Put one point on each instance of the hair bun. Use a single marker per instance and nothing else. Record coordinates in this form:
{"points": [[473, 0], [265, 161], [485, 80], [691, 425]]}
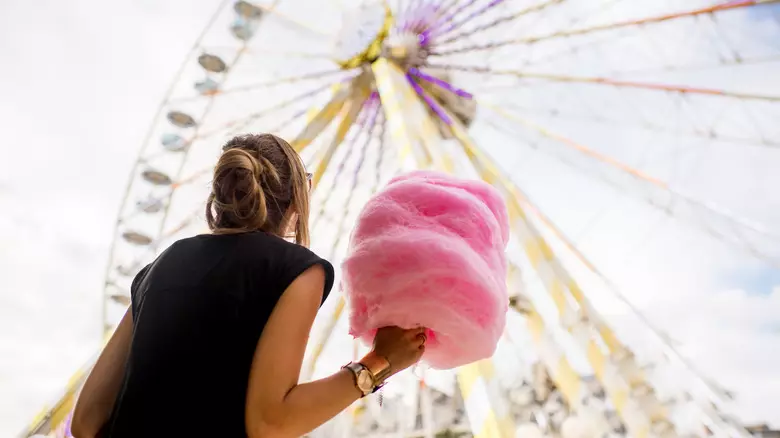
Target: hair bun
{"points": [[259, 184], [237, 190]]}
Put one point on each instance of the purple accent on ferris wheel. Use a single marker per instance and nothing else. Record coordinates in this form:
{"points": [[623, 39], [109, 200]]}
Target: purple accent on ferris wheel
{"points": [[403, 17], [426, 35], [472, 15], [420, 17], [441, 83], [429, 100], [410, 17]]}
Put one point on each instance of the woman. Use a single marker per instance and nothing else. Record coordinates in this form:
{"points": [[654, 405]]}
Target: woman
{"points": [[213, 342]]}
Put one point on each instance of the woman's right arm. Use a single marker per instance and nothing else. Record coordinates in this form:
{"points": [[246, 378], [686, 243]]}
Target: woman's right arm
{"points": [[277, 406]]}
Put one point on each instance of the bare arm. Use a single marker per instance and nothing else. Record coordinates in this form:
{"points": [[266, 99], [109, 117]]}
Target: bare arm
{"points": [[99, 393], [277, 406]]}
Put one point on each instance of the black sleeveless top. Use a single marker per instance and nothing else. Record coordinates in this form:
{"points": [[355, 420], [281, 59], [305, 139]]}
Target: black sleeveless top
{"points": [[198, 312]]}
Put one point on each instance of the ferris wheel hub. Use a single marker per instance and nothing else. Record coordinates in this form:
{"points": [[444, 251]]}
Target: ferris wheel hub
{"points": [[405, 50]]}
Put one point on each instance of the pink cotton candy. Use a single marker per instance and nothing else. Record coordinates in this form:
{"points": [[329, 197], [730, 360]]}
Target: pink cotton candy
{"points": [[428, 251]]}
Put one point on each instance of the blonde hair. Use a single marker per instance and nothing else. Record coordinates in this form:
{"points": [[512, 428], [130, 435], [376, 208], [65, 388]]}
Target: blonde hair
{"points": [[259, 183]]}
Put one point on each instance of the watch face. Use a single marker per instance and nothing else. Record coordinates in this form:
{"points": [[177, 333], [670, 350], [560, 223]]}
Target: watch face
{"points": [[364, 381], [360, 28]]}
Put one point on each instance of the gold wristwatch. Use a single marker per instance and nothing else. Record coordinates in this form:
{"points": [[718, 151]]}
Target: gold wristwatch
{"points": [[370, 373]]}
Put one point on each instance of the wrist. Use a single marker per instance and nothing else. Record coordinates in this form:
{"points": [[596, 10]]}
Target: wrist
{"points": [[354, 379], [379, 366]]}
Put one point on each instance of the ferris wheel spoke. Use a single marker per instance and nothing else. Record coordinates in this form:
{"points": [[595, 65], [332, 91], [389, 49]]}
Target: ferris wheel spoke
{"points": [[707, 65], [402, 12], [300, 25], [606, 27], [712, 394], [381, 147], [676, 60], [238, 125], [296, 116], [264, 85], [604, 6], [563, 375], [324, 116], [557, 113], [358, 97], [618, 369], [739, 232], [706, 128], [601, 8], [610, 359], [682, 66], [498, 21], [489, 172], [751, 117], [254, 51], [366, 122], [348, 207], [458, 7], [443, 9], [412, 15], [432, 34], [608, 81]]}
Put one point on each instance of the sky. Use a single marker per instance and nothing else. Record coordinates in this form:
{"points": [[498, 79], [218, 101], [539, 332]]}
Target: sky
{"points": [[80, 85]]}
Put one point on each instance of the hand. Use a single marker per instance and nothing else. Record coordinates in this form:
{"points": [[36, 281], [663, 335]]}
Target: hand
{"points": [[402, 348]]}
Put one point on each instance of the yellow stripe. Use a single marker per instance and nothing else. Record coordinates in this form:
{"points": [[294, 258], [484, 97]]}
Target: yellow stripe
{"points": [[323, 117], [403, 112], [391, 106], [486, 369], [490, 428], [467, 377], [556, 290], [567, 380], [533, 253], [352, 109], [311, 113]]}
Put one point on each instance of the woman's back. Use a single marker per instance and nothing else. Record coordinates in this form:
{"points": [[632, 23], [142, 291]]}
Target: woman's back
{"points": [[198, 312], [214, 341]]}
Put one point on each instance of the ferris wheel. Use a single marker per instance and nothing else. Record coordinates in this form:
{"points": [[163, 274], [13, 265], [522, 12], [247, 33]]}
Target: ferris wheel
{"points": [[544, 99]]}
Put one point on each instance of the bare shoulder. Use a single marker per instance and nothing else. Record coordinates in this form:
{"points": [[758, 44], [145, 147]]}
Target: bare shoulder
{"points": [[308, 286]]}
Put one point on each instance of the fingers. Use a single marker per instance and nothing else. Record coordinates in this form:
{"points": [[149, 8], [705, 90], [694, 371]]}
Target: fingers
{"points": [[420, 351], [415, 337], [420, 339], [401, 347], [414, 333]]}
